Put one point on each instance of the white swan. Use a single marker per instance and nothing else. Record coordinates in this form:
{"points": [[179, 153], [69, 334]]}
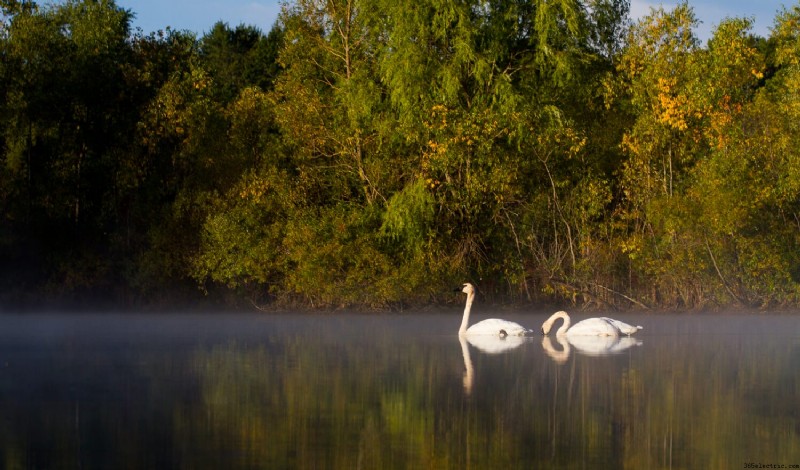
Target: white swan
{"points": [[492, 326], [602, 326]]}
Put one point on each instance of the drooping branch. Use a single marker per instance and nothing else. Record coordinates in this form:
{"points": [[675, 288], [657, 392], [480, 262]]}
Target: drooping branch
{"points": [[721, 277]]}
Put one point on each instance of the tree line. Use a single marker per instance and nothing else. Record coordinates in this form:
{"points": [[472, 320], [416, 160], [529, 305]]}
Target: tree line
{"points": [[373, 152]]}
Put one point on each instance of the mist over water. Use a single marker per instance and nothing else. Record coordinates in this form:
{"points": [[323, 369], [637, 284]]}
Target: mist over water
{"points": [[394, 391]]}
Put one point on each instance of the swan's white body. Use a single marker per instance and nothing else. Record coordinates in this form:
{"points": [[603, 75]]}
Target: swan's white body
{"points": [[492, 326], [602, 326]]}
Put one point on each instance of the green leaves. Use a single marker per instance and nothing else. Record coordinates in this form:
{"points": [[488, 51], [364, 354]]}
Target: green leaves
{"points": [[409, 214], [371, 151]]}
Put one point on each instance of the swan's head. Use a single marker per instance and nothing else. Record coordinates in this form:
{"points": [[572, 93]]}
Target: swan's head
{"points": [[547, 326], [468, 288]]}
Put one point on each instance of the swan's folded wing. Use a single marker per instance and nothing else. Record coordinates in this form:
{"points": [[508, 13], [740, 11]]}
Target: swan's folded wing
{"points": [[623, 327], [593, 327], [494, 327]]}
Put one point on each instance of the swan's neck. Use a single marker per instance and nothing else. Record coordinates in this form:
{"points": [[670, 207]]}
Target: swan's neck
{"points": [[465, 321], [562, 315], [563, 330]]}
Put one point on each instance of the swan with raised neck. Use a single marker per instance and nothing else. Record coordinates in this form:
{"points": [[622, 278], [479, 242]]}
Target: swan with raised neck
{"points": [[492, 326]]}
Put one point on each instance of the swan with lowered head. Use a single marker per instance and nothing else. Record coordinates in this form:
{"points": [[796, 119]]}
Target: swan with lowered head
{"points": [[492, 326], [602, 326]]}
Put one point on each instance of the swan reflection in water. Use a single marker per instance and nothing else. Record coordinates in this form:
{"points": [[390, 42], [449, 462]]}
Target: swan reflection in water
{"points": [[587, 345], [488, 345]]}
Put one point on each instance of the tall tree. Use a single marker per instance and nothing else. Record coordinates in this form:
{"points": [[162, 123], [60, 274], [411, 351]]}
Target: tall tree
{"points": [[412, 132], [744, 196], [240, 57], [66, 116]]}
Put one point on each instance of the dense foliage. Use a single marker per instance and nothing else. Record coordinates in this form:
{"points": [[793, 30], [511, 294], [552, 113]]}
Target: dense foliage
{"points": [[372, 152]]}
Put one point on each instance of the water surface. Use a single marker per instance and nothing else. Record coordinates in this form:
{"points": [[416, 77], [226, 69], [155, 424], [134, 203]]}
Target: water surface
{"points": [[394, 391]]}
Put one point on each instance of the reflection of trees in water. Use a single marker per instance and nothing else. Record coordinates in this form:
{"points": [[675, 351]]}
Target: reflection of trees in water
{"points": [[386, 403], [92, 408], [347, 405], [404, 408]]}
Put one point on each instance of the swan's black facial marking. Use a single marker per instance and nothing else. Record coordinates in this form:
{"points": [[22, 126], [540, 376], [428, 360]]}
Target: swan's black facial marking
{"points": [[503, 333]]}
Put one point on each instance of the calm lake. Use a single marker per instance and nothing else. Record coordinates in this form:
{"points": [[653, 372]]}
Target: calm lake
{"points": [[395, 391]]}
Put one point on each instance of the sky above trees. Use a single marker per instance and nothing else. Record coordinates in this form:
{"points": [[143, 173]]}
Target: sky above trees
{"points": [[200, 15]]}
